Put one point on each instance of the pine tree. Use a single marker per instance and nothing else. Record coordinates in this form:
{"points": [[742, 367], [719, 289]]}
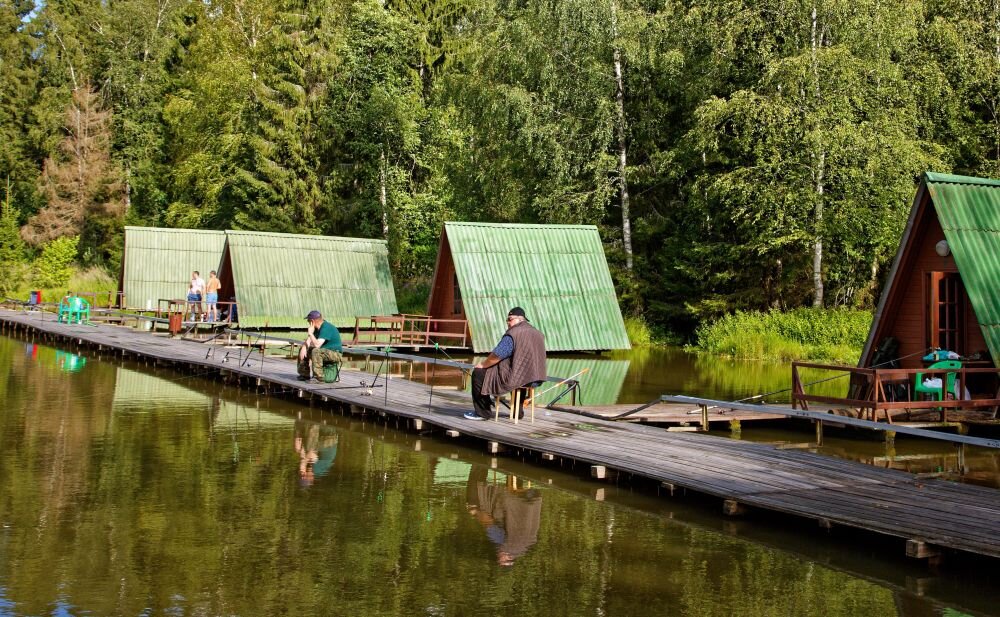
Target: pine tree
{"points": [[11, 245], [281, 176], [79, 181], [18, 91]]}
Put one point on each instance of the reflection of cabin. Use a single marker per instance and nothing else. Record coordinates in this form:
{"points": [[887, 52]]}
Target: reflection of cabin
{"points": [[157, 263], [557, 273], [944, 286], [279, 278]]}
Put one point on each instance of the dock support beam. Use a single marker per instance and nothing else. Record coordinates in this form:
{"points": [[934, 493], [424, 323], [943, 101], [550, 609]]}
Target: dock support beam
{"points": [[731, 507], [918, 549], [600, 472]]}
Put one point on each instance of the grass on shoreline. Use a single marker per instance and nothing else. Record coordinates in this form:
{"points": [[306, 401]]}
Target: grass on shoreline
{"points": [[831, 335], [89, 280]]}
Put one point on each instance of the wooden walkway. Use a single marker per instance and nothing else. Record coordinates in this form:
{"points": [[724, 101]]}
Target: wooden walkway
{"points": [[927, 513], [673, 414]]}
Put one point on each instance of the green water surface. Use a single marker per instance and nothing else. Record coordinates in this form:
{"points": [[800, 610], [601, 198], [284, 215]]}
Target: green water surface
{"points": [[125, 491]]}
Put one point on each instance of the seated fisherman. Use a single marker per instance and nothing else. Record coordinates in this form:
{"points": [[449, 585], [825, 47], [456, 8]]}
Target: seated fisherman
{"points": [[517, 361], [322, 345]]}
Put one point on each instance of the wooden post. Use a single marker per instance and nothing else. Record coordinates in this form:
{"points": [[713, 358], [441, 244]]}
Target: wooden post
{"points": [[600, 472], [731, 507], [819, 432], [918, 549], [704, 418], [796, 387]]}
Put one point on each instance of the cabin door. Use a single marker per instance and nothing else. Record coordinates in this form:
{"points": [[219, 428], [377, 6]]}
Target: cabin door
{"points": [[946, 311], [457, 309]]}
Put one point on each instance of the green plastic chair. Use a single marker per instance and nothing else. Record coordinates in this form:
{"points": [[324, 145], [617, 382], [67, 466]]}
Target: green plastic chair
{"points": [[74, 309], [947, 383]]}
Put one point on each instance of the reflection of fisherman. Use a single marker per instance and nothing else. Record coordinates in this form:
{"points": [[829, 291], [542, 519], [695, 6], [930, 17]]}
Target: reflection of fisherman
{"points": [[317, 448], [509, 515]]}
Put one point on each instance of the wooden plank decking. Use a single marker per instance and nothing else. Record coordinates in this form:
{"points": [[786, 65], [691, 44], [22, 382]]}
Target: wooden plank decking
{"points": [[670, 413], [833, 491]]}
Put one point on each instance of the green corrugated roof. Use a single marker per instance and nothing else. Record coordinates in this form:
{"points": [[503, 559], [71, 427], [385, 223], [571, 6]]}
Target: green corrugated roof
{"points": [[558, 273], [600, 385], [158, 262], [969, 212], [281, 277]]}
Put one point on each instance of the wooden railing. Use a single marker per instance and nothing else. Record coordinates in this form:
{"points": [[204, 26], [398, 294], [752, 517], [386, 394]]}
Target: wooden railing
{"points": [[874, 390], [410, 331], [100, 299], [196, 307]]}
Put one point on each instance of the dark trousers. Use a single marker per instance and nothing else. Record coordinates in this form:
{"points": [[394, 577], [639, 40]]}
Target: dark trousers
{"points": [[483, 403]]}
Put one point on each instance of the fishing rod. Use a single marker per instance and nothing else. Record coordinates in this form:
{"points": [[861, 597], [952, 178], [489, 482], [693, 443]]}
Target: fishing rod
{"points": [[835, 377], [755, 397]]}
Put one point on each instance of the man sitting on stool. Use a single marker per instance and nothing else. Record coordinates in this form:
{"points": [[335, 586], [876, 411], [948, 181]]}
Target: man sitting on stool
{"points": [[517, 361], [322, 345]]}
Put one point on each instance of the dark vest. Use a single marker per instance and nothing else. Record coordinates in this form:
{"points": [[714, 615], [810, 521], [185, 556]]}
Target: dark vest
{"points": [[524, 366]]}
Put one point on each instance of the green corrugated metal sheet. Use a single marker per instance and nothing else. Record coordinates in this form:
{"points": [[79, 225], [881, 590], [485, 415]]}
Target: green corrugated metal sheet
{"points": [[558, 273], [600, 385], [281, 277], [158, 262], [969, 212]]}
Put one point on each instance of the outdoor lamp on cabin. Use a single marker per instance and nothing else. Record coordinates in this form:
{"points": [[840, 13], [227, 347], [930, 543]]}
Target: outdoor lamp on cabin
{"points": [[942, 248]]}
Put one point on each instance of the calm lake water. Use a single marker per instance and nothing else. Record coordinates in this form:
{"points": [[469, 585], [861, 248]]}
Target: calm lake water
{"points": [[128, 491]]}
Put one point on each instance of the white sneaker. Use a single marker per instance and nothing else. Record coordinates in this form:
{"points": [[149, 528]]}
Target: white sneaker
{"points": [[471, 415]]}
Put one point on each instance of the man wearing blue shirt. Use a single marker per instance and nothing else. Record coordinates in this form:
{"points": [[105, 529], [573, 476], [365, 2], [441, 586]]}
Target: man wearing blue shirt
{"points": [[322, 345]]}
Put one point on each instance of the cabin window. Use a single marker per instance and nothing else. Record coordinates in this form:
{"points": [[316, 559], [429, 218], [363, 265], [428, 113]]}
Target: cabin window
{"points": [[945, 311], [456, 309]]}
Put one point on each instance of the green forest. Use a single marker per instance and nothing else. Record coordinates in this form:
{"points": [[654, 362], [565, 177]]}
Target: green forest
{"points": [[735, 154]]}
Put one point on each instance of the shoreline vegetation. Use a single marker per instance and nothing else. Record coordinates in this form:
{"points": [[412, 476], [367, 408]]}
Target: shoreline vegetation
{"points": [[830, 335]]}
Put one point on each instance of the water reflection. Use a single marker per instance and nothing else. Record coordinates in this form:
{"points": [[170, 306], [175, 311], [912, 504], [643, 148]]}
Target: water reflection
{"points": [[124, 491], [316, 445], [69, 362], [509, 511]]}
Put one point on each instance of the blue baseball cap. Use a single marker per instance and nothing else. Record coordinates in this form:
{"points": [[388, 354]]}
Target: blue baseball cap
{"points": [[314, 315]]}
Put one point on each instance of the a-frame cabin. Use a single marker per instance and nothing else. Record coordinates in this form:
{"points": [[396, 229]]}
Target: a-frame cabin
{"points": [[944, 287]]}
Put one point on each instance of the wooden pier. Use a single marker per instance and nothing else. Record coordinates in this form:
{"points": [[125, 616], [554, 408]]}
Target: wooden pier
{"points": [[930, 515], [675, 416]]}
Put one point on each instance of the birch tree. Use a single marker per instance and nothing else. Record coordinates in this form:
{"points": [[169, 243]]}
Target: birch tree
{"points": [[804, 150]]}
